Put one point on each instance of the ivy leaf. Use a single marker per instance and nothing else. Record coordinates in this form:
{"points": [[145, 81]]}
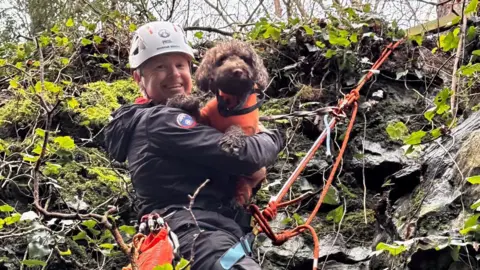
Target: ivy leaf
{"points": [[69, 22], [6, 208], [392, 249], [14, 83], [68, 252], [65, 142], [472, 6], [30, 158], [107, 246], [474, 179], [80, 236], [55, 29], [418, 39], [415, 137], [471, 32], [64, 61], [332, 197], [330, 53], [272, 32], [320, 44], [130, 230], [198, 35], [166, 266], [308, 30], [397, 131], [13, 219], [86, 42], [469, 69], [108, 66], [89, 223], [443, 108], [442, 97], [475, 205], [40, 132], [450, 40], [436, 133], [182, 264], [298, 219], [336, 214], [354, 38], [31, 263], [367, 8], [429, 114], [97, 39], [132, 27], [51, 169]]}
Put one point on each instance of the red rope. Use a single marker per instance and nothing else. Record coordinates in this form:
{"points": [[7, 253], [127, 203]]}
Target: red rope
{"points": [[270, 211]]}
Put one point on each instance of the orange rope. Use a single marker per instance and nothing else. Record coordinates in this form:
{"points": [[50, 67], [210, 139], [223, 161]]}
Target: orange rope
{"points": [[270, 211]]}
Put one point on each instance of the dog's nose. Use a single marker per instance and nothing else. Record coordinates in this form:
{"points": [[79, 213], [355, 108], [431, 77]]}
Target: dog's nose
{"points": [[237, 72]]}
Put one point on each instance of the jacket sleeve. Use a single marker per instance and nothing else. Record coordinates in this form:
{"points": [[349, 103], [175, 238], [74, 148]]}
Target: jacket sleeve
{"points": [[172, 131]]}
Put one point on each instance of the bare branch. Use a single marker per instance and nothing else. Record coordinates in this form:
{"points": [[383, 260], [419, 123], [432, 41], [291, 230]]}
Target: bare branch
{"points": [[208, 29]]}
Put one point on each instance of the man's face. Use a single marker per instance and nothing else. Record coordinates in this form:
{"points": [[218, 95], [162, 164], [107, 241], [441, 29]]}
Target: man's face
{"points": [[164, 76]]}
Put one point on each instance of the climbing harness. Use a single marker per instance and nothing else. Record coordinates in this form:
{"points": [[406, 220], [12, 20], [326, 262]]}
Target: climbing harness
{"points": [[268, 214], [225, 111]]}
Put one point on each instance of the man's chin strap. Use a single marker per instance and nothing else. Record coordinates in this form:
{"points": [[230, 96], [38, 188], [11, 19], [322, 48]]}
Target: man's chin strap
{"points": [[238, 109]]}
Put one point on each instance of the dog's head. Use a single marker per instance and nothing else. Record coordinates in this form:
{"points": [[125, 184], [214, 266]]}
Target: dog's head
{"points": [[232, 67]]}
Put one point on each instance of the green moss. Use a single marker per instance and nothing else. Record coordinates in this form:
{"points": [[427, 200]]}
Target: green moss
{"points": [[92, 176], [275, 106], [99, 99], [21, 109], [417, 199]]}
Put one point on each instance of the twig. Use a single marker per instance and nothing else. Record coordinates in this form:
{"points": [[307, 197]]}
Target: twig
{"points": [[208, 29], [363, 169], [455, 68], [189, 209], [192, 201]]}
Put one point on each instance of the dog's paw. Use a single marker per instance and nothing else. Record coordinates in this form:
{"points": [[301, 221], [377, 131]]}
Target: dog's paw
{"points": [[233, 140], [188, 103]]}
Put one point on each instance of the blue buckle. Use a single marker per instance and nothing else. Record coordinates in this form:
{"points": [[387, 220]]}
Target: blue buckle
{"points": [[236, 252]]}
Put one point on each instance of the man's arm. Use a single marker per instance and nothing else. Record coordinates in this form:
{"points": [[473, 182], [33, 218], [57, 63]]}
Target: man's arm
{"points": [[177, 133]]}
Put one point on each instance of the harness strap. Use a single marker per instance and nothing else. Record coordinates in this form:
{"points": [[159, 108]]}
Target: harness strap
{"points": [[234, 254], [238, 109]]}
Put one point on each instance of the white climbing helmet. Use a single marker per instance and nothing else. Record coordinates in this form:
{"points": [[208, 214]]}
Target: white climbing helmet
{"points": [[156, 38]]}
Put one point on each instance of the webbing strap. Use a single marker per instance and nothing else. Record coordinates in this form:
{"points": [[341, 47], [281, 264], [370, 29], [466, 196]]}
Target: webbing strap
{"points": [[234, 254]]}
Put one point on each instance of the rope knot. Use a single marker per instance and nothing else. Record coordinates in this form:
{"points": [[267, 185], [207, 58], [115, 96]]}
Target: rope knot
{"points": [[281, 238], [270, 211]]}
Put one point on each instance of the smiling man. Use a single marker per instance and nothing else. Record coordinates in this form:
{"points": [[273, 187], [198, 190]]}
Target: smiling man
{"points": [[170, 155]]}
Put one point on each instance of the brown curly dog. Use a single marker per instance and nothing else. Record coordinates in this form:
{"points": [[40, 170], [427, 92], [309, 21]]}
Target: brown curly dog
{"points": [[233, 71]]}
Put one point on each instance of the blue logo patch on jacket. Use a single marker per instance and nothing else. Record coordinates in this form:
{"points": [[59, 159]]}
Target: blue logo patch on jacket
{"points": [[185, 121]]}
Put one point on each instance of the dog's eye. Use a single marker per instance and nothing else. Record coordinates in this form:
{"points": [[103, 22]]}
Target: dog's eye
{"points": [[221, 60], [246, 59]]}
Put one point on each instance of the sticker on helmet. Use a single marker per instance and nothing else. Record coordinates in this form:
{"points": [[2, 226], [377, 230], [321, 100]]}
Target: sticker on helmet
{"points": [[163, 33], [185, 121]]}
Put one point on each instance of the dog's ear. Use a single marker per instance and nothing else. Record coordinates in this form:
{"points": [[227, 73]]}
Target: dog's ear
{"points": [[261, 78], [204, 73]]}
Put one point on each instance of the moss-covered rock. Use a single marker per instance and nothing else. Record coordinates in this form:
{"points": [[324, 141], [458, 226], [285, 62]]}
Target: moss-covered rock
{"points": [[99, 99]]}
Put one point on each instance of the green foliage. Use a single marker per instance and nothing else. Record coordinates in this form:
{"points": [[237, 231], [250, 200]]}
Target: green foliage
{"points": [[392, 249]]}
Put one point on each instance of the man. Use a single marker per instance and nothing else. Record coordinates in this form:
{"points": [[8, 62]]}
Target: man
{"points": [[170, 155]]}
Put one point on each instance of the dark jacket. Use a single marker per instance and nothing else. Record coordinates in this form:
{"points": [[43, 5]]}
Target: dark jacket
{"points": [[170, 155]]}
